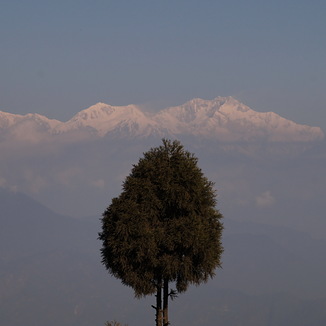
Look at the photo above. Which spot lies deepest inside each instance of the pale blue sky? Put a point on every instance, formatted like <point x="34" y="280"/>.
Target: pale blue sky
<point x="59" y="57"/>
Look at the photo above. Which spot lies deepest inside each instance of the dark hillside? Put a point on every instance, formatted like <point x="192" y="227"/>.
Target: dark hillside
<point x="51" y="275"/>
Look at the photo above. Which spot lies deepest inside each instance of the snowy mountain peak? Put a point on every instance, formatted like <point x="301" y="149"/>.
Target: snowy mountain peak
<point x="203" y="109"/>
<point x="233" y="105"/>
<point x="221" y="119"/>
<point x="8" y="120"/>
<point x="95" y="112"/>
<point x="227" y="119"/>
<point x="102" y="111"/>
<point x="103" y="119"/>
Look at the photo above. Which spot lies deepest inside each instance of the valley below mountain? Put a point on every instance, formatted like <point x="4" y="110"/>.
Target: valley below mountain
<point x="51" y="273"/>
<point x="270" y="177"/>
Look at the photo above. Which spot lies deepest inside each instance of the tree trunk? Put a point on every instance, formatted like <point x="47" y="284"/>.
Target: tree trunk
<point x="166" y="303"/>
<point x="158" y="307"/>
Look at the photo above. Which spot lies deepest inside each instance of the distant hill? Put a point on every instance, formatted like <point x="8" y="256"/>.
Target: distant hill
<point x="51" y="275"/>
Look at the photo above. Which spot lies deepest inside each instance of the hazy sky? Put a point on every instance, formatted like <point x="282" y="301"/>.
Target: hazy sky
<point x="58" y="57"/>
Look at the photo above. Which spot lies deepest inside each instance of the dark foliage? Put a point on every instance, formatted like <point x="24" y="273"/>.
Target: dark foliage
<point x="164" y="225"/>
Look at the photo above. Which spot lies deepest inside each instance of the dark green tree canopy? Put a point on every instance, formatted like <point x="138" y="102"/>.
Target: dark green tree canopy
<point x="164" y="225"/>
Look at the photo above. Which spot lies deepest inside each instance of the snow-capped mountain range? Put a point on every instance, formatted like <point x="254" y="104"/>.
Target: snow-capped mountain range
<point x="222" y="119"/>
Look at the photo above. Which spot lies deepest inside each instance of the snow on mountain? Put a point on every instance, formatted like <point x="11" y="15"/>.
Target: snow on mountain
<point x="226" y="119"/>
<point x="102" y="119"/>
<point x="8" y="119"/>
<point x="30" y="127"/>
<point x="222" y="119"/>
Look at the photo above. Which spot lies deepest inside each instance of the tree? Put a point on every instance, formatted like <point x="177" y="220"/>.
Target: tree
<point x="163" y="228"/>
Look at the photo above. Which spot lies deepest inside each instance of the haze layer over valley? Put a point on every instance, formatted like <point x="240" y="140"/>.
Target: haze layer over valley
<point x="258" y="160"/>
<point x="270" y="176"/>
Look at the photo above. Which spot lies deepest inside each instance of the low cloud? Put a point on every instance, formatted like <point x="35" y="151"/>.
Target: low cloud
<point x="35" y="183"/>
<point x="70" y="176"/>
<point x="100" y="184"/>
<point x="265" y="199"/>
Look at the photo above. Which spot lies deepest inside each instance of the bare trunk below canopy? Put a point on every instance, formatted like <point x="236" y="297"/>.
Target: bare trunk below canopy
<point x="158" y="308"/>
<point x="166" y="303"/>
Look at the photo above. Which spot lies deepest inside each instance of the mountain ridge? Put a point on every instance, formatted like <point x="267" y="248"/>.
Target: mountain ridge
<point x="222" y="119"/>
